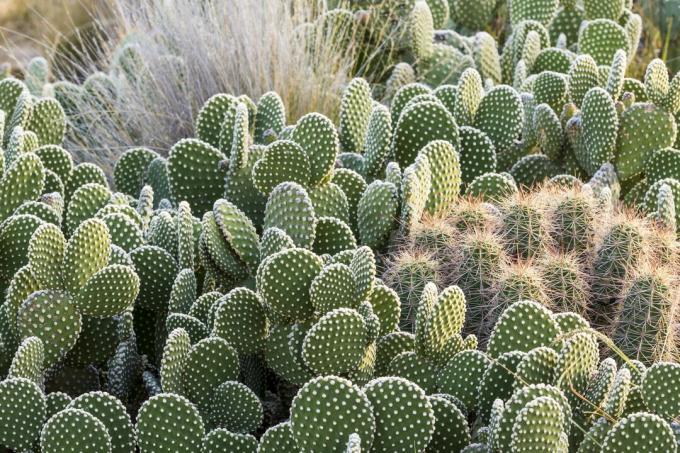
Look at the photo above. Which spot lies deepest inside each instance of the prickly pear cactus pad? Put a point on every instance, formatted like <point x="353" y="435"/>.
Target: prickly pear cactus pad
<point x="641" y="432"/>
<point x="169" y="423"/>
<point x="398" y="402"/>
<point x="113" y="415"/>
<point x="23" y="413"/>
<point x="74" y="430"/>
<point x="658" y="389"/>
<point x="326" y="411"/>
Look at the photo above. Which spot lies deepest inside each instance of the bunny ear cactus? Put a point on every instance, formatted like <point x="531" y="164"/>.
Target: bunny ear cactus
<point x="270" y="116"/>
<point x="283" y="161"/>
<point x="318" y="138"/>
<point x="176" y="416"/>
<point x="601" y="38"/>
<point x="355" y="110"/>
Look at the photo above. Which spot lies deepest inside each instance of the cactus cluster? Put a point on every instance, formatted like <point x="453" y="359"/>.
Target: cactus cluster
<point x="478" y="256"/>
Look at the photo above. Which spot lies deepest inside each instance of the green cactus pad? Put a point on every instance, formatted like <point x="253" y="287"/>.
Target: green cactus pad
<point x="644" y="129"/>
<point x="111" y="412"/>
<point x="601" y="38"/>
<point x="194" y="173"/>
<point x="23" y="413"/>
<point x="386" y="306"/>
<point x="493" y="187"/>
<point x="536" y="367"/>
<point x="539" y="425"/>
<point x="211" y="117"/>
<point x="219" y="440"/>
<point x="210" y="362"/>
<point x="498" y="381"/>
<point x="290" y="209"/>
<point x="85" y="202"/>
<point x="462" y="376"/>
<point x="419" y="125"/>
<point x="355" y="109"/>
<point x="109" y="292"/>
<point x="279" y="356"/>
<point x="271" y="116"/>
<point x="499" y="117"/>
<point x="600" y="126"/>
<point x="45" y="256"/>
<point x="284" y="279"/>
<point x="512" y="331"/>
<point x="377" y="212"/>
<point x="446" y="176"/>
<point x="75" y="430"/>
<point x="241" y="320"/>
<point x="643" y="431"/>
<point x="318" y="138"/>
<point x="477" y="154"/>
<point x="274" y="240"/>
<point x="344" y="332"/>
<point x="53" y="318"/>
<point x="377" y="141"/>
<point x="283" y="161"/>
<point x="278" y="439"/>
<point x="195" y="328"/>
<point x="416" y="415"/>
<point x="451" y="432"/>
<point x="85" y="173"/>
<point x="56" y="402"/>
<point x="156" y="269"/>
<point x="334" y="287"/>
<point x="169" y="423"/>
<point x="353" y="185"/>
<point x="130" y="170"/>
<point x="28" y="360"/>
<point x="658" y="389"/>
<point x="330" y="201"/>
<point x="332" y="236"/>
<point x="326" y="411"/>
<point x="662" y="163"/>
<point x="175" y="355"/>
<point x="22" y="181"/>
<point x="503" y="433"/>
<point x="87" y="252"/>
<point x="583" y="76"/>
<point x="235" y="407"/>
<point x="239" y="232"/>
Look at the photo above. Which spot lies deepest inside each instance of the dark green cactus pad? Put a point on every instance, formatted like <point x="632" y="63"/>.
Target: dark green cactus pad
<point x="210" y="362"/>
<point x="500" y="117"/>
<point x="23" y="413"/>
<point x="506" y="337"/>
<point x="279" y="356"/>
<point x="211" y="118"/>
<point x="503" y="433"/>
<point x="169" y="423"/>
<point x="451" y="432"/>
<point x="376" y="213"/>
<point x="109" y="292"/>
<point x="203" y="306"/>
<point x="386" y="306"/>
<point x="156" y="269"/>
<point x="342" y="331"/>
<point x="618" y="394"/>
<point x="462" y="376"/>
<point x="445" y="176"/>
<point x="112" y="413"/>
<point x="364" y="270"/>
<point x="415" y="189"/>
<point x="583" y="76"/>
<point x="353" y="185"/>
<point x="644" y="129"/>
<point x="419" y="125"/>
<point x="23" y="284"/>
<point x="220" y="440"/>
<point x="492" y="187"/>
<point x="498" y="381"/>
<point x="274" y="240"/>
<point x="56" y="402"/>
<point x="217" y="252"/>
<point x="239" y="232"/>
<point x="329" y="200"/>
<point x="124" y="231"/>
<point x="53" y="318"/>
<point x="416" y="415"/>
<point x="600" y="127"/>
<point x="47" y="121"/>
<point x="662" y="163"/>
<point x="130" y="170"/>
<point x="75" y="430"/>
<point x="601" y="38"/>
<point x="235" y="407"/>
<point x="283" y="161"/>
<point x="284" y="279"/>
<point x="538" y="425"/>
<point x="551" y="88"/>
<point x="326" y="411"/>
<point x="403" y="96"/>
<point x="659" y="389"/>
<point x="278" y="439"/>
<point x="355" y="109"/>
<point x="390" y="346"/>
<point x="419" y="370"/>
<point x="593" y="440"/>
<point x="195" y="328"/>
<point x="157" y="178"/>
<point x="334" y="287"/>
<point x="28" y="360"/>
<point x="332" y="236"/>
<point x="45" y="256"/>
<point x="577" y="361"/>
<point x="290" y="209"/>
<point x="42" y="210"/>
<point x="477" y="154"/>
<point x="84" y="173"/>
<point x="643" y="431"/>
<point x="86" y="253"/>
<point x="84" y="204"/>
<point x="271" y="116"/>
<point x="533" y="169"/>
<point x="241" y="320"/>
<point x="377" y="141"/>
<point x="194" y="173"/>
<point x="175" y="354"/>
<point x="318" y="138"/>
<point x="548" y="131"/>
<point x="22" y="181"/>
<point x="536" y="367"/>
<point x="57" y="159"/>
